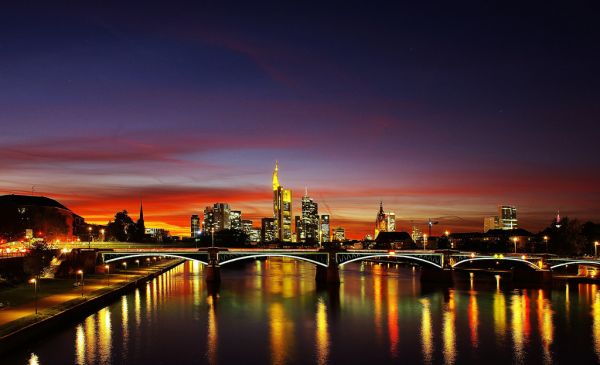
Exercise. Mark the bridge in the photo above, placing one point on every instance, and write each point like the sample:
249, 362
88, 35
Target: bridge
436, 265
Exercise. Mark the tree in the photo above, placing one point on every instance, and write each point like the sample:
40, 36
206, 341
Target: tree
568, 239
122, 228
38, 259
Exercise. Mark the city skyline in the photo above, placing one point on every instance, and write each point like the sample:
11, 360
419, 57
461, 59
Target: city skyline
436, 111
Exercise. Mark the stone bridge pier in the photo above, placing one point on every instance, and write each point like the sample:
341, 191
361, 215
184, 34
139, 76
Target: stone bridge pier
213, 269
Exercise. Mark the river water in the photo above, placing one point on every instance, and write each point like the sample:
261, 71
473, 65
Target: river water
270, 312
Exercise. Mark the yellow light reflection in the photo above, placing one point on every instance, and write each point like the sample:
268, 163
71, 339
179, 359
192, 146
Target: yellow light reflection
322, 334
392, 311
212, 337
377, 300
596, 324
474, 319
281, 333
426, 332
80, 345
33, 359
545, 324
500, 316
125, 321
519, 324
449, 331
137, 308
104, 336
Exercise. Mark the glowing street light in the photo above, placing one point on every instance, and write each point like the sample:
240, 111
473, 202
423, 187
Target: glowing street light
212, 235
102, 233
126, 272
424, 241
34, 282
90, 237
546, 242
80, 272
107, 267
596, 243
515, 239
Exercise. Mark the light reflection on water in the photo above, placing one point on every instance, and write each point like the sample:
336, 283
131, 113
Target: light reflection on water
272, 312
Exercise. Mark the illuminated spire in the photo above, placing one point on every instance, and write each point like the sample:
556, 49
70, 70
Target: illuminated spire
275, 178
381, 207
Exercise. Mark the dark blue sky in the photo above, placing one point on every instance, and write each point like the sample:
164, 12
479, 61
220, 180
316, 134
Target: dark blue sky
438, 109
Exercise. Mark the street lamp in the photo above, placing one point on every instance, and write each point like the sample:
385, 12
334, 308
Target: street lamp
90, 237
596, 243
212, 235
102, 233
126, 273
424, 241
515, 239
81, 273
137, 262
107, 267
34, 282
546, 242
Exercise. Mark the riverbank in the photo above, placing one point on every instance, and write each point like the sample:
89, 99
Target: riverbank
67, 303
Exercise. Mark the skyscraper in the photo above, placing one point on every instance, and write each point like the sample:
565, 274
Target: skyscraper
490, 223
195, 226
310, 219
282, 208
391, 221
235, 219
339, 234
268, 230
507, 217
246, 226
324, 229
300, 231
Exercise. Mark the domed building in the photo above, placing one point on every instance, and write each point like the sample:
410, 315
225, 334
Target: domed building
42, 217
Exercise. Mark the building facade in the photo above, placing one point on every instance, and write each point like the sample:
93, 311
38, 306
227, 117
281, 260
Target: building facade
339, 234
268, 231
195, 226
282, 209
324, 231
384, 222
507, 217
235, 220
310, 219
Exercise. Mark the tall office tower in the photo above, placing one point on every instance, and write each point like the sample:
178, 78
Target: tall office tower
300, 231
268, 232
246, 226
195, 226
208, 223
324, 229
282, 208
221, 212
490, 223
310, 219
339, 234
391, 221
235, 219
507, 217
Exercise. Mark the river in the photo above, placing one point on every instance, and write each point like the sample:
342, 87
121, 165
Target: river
270, 312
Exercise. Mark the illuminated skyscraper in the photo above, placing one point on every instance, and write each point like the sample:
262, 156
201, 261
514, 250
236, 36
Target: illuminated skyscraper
246, 226
300, 232
339, 234
324, 230
391, 221
216, 217
310, 219
268, 230
195, 226
490, 223
282, 209
235, 219
507, 217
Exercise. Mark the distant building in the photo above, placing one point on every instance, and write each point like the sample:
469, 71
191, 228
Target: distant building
254, 235
157, 234
246, 226
216, 217
395, 240
490, 223
235, 220
384, 222
195, 226
310, 219
416, 234
507, 217
300, 231
268, 232
42, 216
339, 234
282, 208
324, 230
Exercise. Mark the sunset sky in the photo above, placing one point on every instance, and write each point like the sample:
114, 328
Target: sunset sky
438, 111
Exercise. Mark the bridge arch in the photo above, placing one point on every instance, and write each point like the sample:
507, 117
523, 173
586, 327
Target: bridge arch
528, 263
245, 257
410, 258
579, 262
153, 254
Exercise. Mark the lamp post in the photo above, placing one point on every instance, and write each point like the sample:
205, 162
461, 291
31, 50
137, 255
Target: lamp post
34, 282
90, 237
212, 235
81, 273
126, 273
107, 267
546, 242
424, 241
596, 243
137, 262
515, 239
102, 233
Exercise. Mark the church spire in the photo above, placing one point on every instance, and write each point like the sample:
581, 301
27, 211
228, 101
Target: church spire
275, 178
381, 207
141, 212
